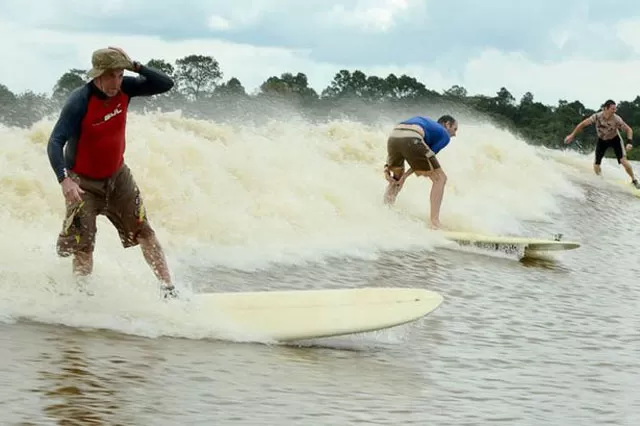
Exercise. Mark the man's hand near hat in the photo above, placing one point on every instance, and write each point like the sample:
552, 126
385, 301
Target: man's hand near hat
134, 65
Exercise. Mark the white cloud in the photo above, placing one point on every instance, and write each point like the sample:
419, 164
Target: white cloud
39, 69
37, 58
109, 7
590, 81
218, 23
238, 15
369, 15
560, 37
628, 31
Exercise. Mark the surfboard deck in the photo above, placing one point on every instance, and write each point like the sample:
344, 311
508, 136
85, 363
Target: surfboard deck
502, 242
288, 315
628, 186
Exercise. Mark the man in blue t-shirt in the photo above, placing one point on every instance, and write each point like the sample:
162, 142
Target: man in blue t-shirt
418, 140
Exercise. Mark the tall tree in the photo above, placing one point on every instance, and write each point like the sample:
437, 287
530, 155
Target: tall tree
69, 81
162, 65
289, 86
456, 91
232, 88
197, 75
346, 84
30, 107
8, 102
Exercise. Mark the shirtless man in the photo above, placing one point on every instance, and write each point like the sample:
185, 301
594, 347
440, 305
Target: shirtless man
607, 124
418, 140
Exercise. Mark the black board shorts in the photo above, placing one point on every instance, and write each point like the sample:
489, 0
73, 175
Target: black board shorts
603, 145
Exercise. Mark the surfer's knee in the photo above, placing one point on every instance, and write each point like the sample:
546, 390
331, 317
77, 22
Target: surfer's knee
396, 172
443, 176
438, 177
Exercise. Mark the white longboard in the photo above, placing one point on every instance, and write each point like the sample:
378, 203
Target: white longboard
498, 242
308, 314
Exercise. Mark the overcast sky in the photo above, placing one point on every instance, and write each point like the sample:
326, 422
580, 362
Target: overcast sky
557, 49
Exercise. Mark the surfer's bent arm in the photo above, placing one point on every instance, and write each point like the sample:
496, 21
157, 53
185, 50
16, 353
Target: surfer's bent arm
628, 130
150, 82
584, 123
65, 129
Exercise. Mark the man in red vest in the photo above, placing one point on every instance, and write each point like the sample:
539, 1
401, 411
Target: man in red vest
86, 152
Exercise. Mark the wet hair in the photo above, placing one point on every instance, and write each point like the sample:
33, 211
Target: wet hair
608, 103
446, 119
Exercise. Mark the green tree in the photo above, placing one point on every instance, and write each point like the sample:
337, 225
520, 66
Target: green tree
455, 91
8, 102
289, 86
29, 108
345, 84
68, 82
232, 88
410, 88
197, 75
162, 65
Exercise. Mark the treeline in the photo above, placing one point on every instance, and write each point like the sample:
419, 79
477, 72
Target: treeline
202, 92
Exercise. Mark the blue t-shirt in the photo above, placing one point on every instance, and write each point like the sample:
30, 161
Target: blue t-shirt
435, 135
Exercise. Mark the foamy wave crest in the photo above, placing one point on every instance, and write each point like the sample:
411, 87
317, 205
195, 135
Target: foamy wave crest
290, 190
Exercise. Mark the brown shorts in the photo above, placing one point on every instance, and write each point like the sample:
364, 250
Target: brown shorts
404, 144
118, 198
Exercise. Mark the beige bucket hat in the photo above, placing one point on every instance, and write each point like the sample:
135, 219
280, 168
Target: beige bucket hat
108, 59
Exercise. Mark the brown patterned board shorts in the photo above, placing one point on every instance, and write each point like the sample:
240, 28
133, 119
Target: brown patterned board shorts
409, 145
118, 198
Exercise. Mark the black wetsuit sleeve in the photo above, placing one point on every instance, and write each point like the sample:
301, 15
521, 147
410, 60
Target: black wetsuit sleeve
150, 82
66, 129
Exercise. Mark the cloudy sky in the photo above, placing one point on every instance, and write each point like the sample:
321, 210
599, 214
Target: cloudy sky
570, 49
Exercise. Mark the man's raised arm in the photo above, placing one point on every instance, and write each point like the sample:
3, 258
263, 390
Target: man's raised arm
150, 82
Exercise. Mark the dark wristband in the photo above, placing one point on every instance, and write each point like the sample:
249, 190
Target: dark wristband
63, 176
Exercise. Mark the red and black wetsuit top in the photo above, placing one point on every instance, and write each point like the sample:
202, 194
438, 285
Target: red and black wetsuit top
92, 126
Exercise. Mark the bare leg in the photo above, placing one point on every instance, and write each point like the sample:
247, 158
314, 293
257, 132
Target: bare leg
154, 255
439, 179
82, 263
393, 188
391, 193
437, 192
82, 268
627, 168
596, 169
